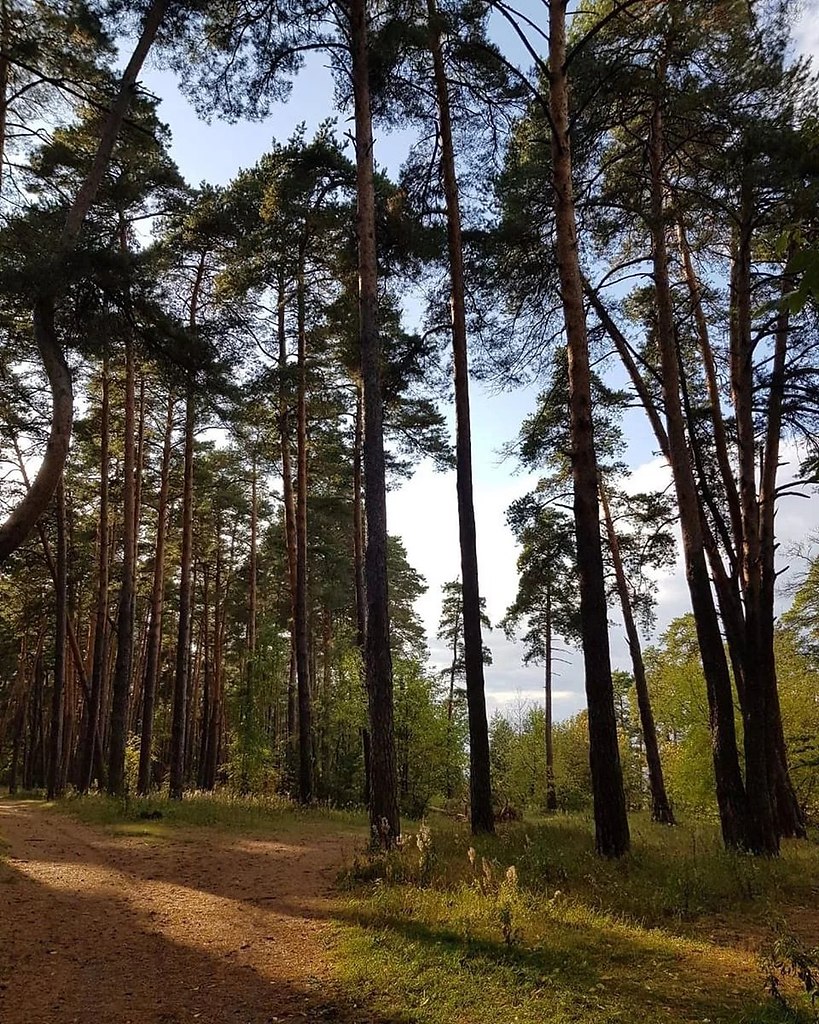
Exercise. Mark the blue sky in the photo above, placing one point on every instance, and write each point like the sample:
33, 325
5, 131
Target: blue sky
423, 511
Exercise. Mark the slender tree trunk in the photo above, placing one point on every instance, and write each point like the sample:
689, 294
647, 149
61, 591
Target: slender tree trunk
760, 835
480, 785
790, 821
125, 620
5, 46
611, 822
303, 674
730, 790
660, 807
154, 645
60, 629
359, 545
551, 791
209, 758
180, 689
384, 813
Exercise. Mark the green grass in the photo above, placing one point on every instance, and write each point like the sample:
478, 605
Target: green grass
668, 934
158, 816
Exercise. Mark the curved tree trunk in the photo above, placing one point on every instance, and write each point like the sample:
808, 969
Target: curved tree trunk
611, 822
23, 518
384, 813
480, 785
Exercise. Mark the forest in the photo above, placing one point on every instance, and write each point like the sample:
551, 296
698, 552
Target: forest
208, 392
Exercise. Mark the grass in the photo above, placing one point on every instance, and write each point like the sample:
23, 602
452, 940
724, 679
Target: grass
157, 815
534, 928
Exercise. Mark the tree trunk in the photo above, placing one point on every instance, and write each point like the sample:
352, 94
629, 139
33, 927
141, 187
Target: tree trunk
154, 646
24, 517
480, 785
303, 674
384, 814
660, 807
359, 545
180, 688
551, 791
611, 822
60, 627
790, 821
121, 685
729, 785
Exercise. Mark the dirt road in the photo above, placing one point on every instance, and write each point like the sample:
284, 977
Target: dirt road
201, 926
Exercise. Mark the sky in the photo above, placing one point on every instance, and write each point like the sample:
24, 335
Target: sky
423, 510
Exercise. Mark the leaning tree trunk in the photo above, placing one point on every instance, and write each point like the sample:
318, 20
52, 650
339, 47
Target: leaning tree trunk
154, 644
125, 619
60, 630
611, 822
384, 813
660, 807
480, 785
729, 785
24, 517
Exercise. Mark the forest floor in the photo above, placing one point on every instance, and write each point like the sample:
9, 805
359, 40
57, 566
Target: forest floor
146, 924
252, 912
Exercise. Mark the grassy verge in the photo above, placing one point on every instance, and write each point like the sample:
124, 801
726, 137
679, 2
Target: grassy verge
531, 927
159, 816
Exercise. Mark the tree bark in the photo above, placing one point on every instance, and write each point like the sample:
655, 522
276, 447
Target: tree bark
480, 785
154, 645
611, 823
384, 813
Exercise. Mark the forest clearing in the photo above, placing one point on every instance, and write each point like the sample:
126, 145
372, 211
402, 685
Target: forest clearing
244, 911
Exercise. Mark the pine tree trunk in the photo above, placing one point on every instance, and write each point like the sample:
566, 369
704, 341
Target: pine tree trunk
55, 773
154, 645
480, 785
729, 785
180, 688
303, 674
359, 545
760, 835
121, 685
660, 807
551, 791
611, 823
384, 814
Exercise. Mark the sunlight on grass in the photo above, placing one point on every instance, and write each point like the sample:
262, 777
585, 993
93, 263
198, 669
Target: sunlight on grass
531, 926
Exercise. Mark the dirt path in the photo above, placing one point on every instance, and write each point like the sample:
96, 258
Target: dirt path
200, 926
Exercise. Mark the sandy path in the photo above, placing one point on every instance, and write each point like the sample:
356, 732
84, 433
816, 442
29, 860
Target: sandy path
201, 926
